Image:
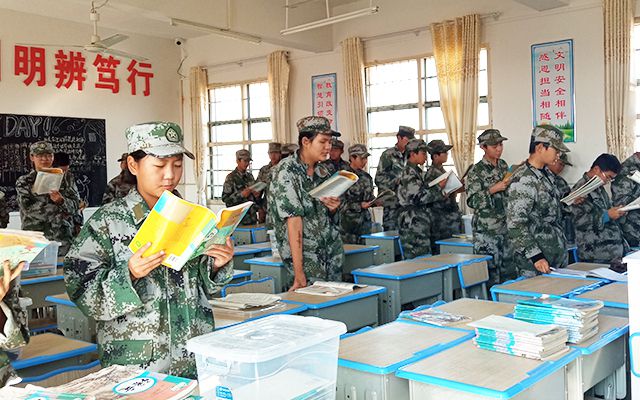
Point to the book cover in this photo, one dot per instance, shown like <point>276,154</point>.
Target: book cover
<point>335,186</point>
<point>47,179</point>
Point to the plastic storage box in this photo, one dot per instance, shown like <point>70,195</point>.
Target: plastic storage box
<point>276,357</point>
<point>468,228</point>
<point>46,263</point>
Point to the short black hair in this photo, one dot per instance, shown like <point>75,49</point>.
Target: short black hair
<point>61,159</point>
<point>532,146</point>
<point>607,162</point>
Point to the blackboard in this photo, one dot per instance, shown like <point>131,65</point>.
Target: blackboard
<point>84,139</point>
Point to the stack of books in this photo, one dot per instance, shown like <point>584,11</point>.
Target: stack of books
<point>520,338</point>
<point>578,317</point>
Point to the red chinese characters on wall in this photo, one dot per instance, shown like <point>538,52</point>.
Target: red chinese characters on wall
<point>70,70</point>
<point>324,97</point>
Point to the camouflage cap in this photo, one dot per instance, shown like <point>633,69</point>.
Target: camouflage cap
<point>565,159</point>
<point>123,157</point>
<point>549,134</point>
<point>41,147</point>
<point>275,147</point>
<point>416,145</point>
<point>406,131</point>
<point>289,148</point>
<point>490,137</point>
<point>359,150</point>
<point>314,124</point>
<point>243,154</point>
<point>438,146</point>
<point>160,139</point>
<point>337,144</point>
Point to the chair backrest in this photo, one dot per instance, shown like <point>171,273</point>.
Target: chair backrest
<point>264,285</point>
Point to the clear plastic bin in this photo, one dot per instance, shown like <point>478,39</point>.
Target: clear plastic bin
<point>46,263</point>
<point>277,357</point>
<point>466,219</point>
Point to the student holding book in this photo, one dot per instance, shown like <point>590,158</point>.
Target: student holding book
<point>306,229</point>
<point>238,188</point>
<point>13,321</point>
<point>446,219</point>
<point>564,189</point>
<point>598,234</point>
<point>50,213</point>
<point>624,190</point>
<point>355,218</point>
<point>144,312</point>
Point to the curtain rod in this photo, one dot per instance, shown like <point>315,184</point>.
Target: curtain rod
<point>494,15</point>
<point>240,62</point>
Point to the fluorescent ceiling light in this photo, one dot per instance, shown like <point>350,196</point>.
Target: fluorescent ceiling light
<point>330,20</point>
<point>217,31</point>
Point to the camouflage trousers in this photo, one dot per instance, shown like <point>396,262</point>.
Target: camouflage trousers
<point>354,225</point>
<point>390,218</point>
<point>444,224</point>
<point>324,267</point>
<point>630,225</point>
<point>497,246</point>
<point>414,227</point>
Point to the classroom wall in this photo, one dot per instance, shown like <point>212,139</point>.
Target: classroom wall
<point>119,110</point>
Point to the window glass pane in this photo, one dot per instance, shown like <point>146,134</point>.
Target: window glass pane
<point>224,158</point>
<point>437,136</point>
<point>432,91</point>
<point>393,83</point>
<point>226,103</point>
<point>430,67</point>
<point>435,119</point>
<point>637,133</point>
<point>259,106</point>
<point>482,61</point>
<point>377,146</point>
<point>636,62</point>
<point>227,133</point>
<point>483,84</point>
<point>261,131</point>
<point>483,114</point>
<point>260,155</point>
<point>388,121</point>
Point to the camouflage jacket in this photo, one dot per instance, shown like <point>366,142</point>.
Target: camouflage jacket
<point>117,188</point>
<point>4,211</point>
<point>390,167</point>
<point>334,167</point>
<point>354,219</point>
<point>322,249</point>
<point>534,218</point>
<point>147,321</point>
<point>15,333</point>
<point>489,210</point>
<point>599,239</point>
<point>445,203</point>
<point>234,184</point>
<point>39,213</point>
<point>567,217</point>
<point>624,191</point>
<point>78,217</point>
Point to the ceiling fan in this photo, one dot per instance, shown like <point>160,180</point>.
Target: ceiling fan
<point>99,45</point>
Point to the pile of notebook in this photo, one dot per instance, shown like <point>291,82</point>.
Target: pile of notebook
<point>520,338</point>
<point>578,317</point>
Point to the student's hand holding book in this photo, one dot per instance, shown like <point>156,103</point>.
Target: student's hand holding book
<point>8,276</point>
<point>332,203</point>
<point>443,183</point>
<point>615,212</point>
<point>140,266</point>
<point>542,266</point>
<point>221,253</point>
<point>56,197</point>
<point>501,186</point>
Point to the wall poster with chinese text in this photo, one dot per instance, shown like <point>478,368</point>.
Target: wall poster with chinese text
<point>323,89</point>
<point>553,87</point>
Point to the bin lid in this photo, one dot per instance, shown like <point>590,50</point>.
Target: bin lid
<point>266,338</point>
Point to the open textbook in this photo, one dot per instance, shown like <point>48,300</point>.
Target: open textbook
<point>258,186</point>
<point>434,316</point>
<point>245,301</point>
<point>184,230</point>
<point>382,196</point>
<point>321,288</point>
<point>453,183</point>
<point>335,186</point>
<point>601,272</point>
<point>589,186</point>
<point>17,246</point>
<point>634,205</point>
<point>47,179</point>
<point>635,176</point>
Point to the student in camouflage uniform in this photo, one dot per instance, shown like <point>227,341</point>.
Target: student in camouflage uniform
<point>335,162</point>
<point>49,213</point>
<point>486,194</point>
<point>307,236</point>
<point>446,219</point>
<point>119,186</point>
<point>144,312</point>
<point>598,235</point>
<point>13,322</point>
<point>4,211</point>
<point>415,197</point>
<point>624,191</point>
<point>265,174</point>
<point>564,189</point>
<point>236,188</point>
<point>355,218</point>
<point>390,166</point>
<point>534,213</point>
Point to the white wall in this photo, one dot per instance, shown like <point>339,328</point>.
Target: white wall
<point>119,110</point>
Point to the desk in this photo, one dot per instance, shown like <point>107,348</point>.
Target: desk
<point>247,234</point>
<point>356,309</point>
<point>455,245</point>
<point>601,357</point>
<point>389,243</point>
<point>357,256</point>
<point>247,251</point>
<point>466,272</point>
<point>368,361</point>
<point>225,318</point>
<point>614,296</point>
<point>559,285</point>
<point>583,266</point>
<point>473,308</point>
<point>41,314</point>
<point>406,282</point>
<point>240,276</point>
<point>270,266</point>
<point>71,321</point>
<point>48,352</point>
<point>464,372</point>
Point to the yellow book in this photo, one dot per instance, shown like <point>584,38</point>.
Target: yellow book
<point>184,230</point>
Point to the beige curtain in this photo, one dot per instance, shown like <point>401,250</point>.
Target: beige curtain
<point>353,68</point>
<point>198,83</point>
<point>456,45</point>
<point>618,25</point>
<point>278,77</point>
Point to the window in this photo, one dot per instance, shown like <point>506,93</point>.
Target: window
<point>406,93</point>
<point>240,118</point>
<point>636,78</point>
